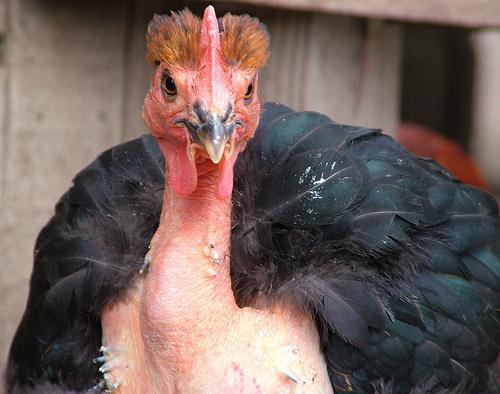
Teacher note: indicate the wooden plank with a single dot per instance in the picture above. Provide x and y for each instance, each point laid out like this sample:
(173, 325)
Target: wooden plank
(3, 122)
(281, 80)
(3, 17)
(352, 77)
(486, 108)
(3, 89)
(137, 70)
(435, 92)
(466, 13)
(380, 75)
(65, 66)
(335, 65)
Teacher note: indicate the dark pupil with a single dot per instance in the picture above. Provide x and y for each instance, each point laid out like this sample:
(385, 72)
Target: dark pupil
(249, 90)
(170, 85)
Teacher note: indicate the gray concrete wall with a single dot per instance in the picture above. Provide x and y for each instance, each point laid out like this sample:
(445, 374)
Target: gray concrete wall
(72, 80)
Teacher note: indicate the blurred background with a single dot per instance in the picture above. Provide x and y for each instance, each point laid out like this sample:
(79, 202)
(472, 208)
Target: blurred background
(73, 77)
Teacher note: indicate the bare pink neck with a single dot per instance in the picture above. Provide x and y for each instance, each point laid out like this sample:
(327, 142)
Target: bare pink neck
(190, 251)
(187, 290)
(198, 216)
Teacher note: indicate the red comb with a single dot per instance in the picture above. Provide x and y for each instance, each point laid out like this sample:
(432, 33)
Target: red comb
(212, 66)
(210, 32)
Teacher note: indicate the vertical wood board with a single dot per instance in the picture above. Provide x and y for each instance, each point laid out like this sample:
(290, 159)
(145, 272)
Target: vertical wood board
(466, 13)
(3, 16)
(281, 80)
(65, 66)
(3, 119)
(328, 64)
(3, 89)
(353, 71)
(486, 104)
(379, 91)
(138, 72)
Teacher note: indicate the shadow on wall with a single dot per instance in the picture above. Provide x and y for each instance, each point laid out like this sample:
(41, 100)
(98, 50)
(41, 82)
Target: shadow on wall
(437, 80)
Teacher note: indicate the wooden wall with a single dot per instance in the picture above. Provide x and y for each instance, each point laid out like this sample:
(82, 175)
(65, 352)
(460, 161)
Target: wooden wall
(466, 13)
(72, 81)
(486, 104)
(437, 79)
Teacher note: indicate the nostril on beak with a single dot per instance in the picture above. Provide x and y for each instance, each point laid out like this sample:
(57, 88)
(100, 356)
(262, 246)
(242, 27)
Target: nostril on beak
(200, 113)
(228, 113)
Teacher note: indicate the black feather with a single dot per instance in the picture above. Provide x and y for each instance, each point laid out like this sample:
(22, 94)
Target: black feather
(398, 262)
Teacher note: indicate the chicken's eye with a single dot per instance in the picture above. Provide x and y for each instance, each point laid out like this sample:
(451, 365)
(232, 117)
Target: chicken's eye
(249, 92)
(168, 85)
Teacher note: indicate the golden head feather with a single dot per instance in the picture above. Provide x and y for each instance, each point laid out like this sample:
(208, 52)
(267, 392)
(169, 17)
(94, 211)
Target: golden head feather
(175, 40)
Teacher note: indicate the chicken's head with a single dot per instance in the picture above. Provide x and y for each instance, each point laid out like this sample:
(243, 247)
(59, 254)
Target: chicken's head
(202, 105)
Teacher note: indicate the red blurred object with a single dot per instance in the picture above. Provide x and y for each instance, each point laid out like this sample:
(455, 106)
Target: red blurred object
(425, 142)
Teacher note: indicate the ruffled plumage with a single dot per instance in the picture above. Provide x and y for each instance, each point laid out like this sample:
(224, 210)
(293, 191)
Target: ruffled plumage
(397, 261)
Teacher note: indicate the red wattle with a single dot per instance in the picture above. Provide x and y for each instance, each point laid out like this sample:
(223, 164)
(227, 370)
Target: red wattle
(224, 187)
(181, 171)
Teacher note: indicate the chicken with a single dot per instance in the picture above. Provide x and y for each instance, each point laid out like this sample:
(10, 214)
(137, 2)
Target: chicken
(301, 255)
(425, 142)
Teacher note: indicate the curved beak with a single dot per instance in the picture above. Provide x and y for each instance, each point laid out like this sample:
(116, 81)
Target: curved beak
(213, 136)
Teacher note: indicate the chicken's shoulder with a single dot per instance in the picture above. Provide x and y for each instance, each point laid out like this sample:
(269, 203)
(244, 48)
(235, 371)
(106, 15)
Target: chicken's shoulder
(85, 257)
(399, 262)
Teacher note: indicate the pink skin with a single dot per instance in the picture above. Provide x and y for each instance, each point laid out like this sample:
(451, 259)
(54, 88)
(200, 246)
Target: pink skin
(180, 329)
(214, 85)
(161, 114)
(183, 331)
